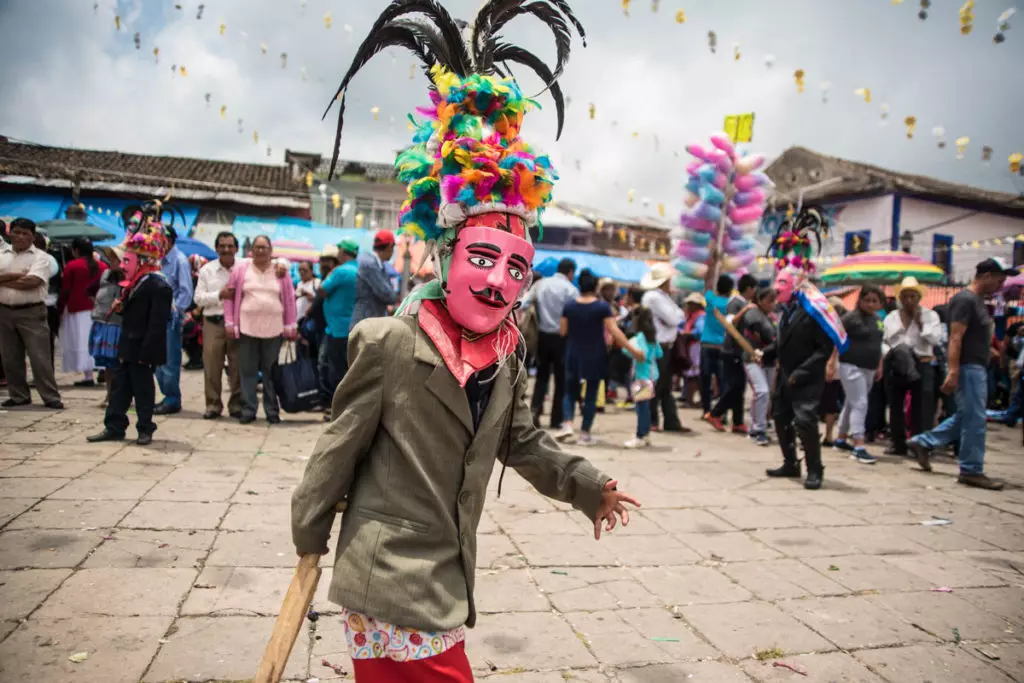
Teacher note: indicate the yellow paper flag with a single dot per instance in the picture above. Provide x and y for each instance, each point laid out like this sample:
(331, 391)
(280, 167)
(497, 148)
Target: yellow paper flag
(680, 17)
(740, 127)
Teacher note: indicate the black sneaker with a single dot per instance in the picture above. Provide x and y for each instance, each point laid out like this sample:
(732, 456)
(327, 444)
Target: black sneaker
(105, 435)
(813, 481)
(922, 453)
(843, 445)
(787, 470)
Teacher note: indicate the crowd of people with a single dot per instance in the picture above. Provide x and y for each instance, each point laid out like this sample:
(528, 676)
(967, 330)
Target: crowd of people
(906, 367)
(650, 346)
(241, 308)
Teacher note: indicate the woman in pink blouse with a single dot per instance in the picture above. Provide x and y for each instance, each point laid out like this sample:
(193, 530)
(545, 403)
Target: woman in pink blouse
(258, 311)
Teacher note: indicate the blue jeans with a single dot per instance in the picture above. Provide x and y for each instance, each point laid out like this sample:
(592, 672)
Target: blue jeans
(572, 396)
(968, 424)
(168, 376)
(710, 366)
(643, 419)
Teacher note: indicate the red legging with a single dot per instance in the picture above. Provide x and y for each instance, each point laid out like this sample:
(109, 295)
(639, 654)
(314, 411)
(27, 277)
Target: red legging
(450, 667)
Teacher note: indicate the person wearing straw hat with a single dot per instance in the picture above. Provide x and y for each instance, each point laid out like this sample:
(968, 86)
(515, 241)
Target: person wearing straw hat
(919, 330)
(657, 284)
(970, 335)
(690, 333)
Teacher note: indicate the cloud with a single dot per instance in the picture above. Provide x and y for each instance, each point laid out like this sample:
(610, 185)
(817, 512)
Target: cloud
(70, 78)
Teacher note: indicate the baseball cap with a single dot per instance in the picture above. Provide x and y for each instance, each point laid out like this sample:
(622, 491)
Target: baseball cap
(350, 246)
(996, 265)
(383, 239)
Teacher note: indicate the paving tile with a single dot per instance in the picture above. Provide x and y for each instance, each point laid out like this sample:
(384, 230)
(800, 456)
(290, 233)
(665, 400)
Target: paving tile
(781, 579)
(134, 470)
(45, 549)
(12, 507)
(137, 548)
(728, 547)
(867, 573)
(258, 493)
(741, 629)
(495, 551)
(97, 486)
(105, 591)
(1007, 602)
(760, 517)
(876, 540)
(821, 515)
(669, 631)
(263, 548)
(645, 551)
(225, 648)
(942, 538)
(25, 590)
(510, 590)
(803, 542)
(175, 515)
(193, 491)
(243, 590)
(690, 585)
(945, 569)
(254, 517)
(229, 473)
(615, 643)
(531, 523)
(688, 521)
(62, 469)
(708, 672)
(522, 639)
(1003, 536)
(940, 613)
(854, 622)
(73, 514)
(92, 452)
(31, 487)
(831, 667)
(560, 550)
(929, 663)
(119, 648)
(589, 588)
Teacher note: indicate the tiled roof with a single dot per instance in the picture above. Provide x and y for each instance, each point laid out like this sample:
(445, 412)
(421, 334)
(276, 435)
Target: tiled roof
(799, 167)
(367, 170)
(38, 161)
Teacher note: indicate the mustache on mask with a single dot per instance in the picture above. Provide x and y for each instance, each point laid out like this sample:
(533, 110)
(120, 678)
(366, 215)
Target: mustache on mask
(490, 294)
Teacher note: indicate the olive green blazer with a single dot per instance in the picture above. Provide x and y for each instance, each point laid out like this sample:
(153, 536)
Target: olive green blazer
(403, 452)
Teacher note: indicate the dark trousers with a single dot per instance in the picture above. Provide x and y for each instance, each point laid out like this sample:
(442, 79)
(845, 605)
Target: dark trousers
(922, 404)
(550, 363)
(877, 402)
(795, 411)
(710, 366)
(53, 321)
(131, 381)
(337, 362)
(573, 389)
(733, 383)
(258, 357)
(664, 401)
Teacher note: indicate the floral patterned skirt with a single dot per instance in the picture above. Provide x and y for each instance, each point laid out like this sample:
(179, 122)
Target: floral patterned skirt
(371, 639)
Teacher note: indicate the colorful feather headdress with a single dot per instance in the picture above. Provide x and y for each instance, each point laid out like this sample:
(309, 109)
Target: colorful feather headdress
(146, 228)
(792, 244)
(467, 157)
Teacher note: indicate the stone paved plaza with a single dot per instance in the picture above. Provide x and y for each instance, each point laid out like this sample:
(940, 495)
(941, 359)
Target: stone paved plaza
(169, 563)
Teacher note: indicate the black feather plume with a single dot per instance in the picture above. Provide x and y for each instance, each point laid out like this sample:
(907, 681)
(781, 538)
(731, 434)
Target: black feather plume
(517, 55)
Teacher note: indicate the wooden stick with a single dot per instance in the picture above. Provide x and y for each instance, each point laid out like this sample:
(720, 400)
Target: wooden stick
(289, 621)
(735, 334)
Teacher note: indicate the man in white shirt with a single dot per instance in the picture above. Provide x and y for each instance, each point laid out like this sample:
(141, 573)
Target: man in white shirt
(919, 330)
(550, 297)
(24, 273)
(667, 319)
(211, 291)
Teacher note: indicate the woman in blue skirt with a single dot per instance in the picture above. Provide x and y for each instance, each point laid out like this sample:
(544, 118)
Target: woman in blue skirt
(106, 325)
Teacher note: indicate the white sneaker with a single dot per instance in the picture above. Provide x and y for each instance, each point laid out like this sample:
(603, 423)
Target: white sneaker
(637, 442)
(585, 440)
(564, 432)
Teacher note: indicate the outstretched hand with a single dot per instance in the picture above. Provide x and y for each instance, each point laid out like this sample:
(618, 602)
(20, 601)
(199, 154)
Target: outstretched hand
(612, 508)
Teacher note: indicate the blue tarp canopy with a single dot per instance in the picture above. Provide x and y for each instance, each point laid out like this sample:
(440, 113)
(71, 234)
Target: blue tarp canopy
(298, 237)
(545, 262)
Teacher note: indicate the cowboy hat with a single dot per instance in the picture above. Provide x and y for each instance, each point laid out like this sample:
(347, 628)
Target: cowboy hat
(329, 251)
(696, 298)
(658, 275)
(911, 283)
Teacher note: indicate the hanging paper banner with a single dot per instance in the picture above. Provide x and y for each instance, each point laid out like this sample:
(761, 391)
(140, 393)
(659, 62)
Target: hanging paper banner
(740, 127)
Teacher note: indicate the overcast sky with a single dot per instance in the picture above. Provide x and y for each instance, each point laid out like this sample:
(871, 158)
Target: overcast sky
(70, 78)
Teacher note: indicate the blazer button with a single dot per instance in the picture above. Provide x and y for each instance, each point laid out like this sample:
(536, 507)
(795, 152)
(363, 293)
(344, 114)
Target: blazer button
(465, 539)
(470, 458)
(465, 497)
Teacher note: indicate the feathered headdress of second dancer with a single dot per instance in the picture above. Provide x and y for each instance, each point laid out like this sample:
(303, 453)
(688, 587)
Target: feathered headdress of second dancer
(793, 251)
(475, 186)
(145, 245)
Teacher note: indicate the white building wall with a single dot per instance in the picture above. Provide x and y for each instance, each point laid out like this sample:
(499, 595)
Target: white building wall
(919, 216)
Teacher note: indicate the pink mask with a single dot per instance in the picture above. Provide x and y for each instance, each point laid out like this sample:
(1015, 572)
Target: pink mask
(488, 271)
(786, 283)
(130, 266)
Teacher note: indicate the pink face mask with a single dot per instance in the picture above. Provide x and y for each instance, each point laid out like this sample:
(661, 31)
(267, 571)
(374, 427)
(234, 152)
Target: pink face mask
(785, 284)
(488, 271)
(130, 266)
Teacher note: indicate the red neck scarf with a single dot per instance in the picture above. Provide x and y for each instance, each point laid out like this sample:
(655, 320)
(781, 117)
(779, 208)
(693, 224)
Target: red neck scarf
(464, 353)
(128, 286)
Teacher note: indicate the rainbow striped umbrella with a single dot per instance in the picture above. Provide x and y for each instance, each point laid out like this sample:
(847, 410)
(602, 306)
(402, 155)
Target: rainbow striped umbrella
(882, 267)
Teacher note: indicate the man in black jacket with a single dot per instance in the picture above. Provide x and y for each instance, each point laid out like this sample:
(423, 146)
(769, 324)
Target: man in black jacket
(145, 308)
(809, 332)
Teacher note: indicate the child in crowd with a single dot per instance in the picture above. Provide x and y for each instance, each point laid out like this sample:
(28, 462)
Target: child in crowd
(645, 375)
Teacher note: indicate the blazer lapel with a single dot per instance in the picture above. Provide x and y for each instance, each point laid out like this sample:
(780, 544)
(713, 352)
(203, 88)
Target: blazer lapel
(442, 383)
